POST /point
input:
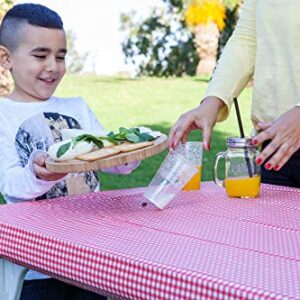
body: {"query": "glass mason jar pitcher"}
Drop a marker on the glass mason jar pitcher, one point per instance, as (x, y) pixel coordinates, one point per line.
(242, 174)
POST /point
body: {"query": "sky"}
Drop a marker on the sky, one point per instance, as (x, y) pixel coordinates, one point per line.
(96, 26)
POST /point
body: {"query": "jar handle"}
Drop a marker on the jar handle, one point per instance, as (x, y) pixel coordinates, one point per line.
(216, 178)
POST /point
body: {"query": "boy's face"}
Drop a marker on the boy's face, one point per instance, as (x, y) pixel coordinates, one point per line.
(38, 63)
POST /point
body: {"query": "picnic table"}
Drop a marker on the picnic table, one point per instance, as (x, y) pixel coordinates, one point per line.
(204, 245)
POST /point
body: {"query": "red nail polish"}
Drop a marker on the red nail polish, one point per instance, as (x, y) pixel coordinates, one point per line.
(276, 168)
(258, 161)
(268, 166)
(208, 146)
(254, 142)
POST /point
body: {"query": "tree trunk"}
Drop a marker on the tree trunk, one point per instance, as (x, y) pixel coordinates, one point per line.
(206, 40)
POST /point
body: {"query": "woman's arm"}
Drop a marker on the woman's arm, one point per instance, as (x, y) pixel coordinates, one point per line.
(236, 65)
(234, 69)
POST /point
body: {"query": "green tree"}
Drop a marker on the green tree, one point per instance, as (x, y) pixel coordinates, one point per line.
(162, 45)
(75, 60)
(206, 18)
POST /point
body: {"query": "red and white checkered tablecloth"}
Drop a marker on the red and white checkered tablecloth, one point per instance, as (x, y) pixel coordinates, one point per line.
(202, 246)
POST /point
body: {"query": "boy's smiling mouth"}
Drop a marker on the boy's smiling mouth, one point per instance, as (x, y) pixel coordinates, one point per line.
(48, 80)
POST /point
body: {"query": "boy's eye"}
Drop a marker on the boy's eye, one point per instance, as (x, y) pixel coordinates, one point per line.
(40, 56)
(60, 57)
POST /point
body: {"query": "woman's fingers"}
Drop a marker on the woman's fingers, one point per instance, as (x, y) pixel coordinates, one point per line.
(284, 134)
(181, 129)
(206, 137)
(281, 156)
(176, 132)
(202, 117)
(265, 135)
(175, 136)
(264, 125)
(267, 152)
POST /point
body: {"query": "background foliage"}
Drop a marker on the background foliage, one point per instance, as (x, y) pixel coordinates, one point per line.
(5, 5)
(75, 60)
(162, 45)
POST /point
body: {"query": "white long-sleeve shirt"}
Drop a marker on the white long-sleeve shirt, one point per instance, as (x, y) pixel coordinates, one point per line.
(26, 128)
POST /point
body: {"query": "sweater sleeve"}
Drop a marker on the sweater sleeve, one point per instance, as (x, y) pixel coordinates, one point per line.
(18, 183)
(236, 65)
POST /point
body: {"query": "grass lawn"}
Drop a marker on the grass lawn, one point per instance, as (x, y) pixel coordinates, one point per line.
(152, 102)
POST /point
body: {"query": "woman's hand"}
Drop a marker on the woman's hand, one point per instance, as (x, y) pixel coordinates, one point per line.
(203, 117)
(40, 170)
(284, 134)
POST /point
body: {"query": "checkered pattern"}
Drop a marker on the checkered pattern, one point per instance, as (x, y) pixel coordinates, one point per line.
(204, 245)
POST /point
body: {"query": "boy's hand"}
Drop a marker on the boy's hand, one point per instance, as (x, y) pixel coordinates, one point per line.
(40, 170)
(284, 134)
(203, 117)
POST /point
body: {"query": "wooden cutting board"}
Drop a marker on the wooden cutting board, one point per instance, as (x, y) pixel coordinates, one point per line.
(78, 166)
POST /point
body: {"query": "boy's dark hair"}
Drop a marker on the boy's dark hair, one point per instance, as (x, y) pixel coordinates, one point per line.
(27, 13)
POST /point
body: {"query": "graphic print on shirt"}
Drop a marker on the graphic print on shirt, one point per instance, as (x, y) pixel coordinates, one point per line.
(39, 133)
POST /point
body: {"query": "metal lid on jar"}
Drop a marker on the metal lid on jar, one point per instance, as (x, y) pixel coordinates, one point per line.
(237, 142)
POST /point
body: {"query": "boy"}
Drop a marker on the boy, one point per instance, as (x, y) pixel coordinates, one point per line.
(33, 48)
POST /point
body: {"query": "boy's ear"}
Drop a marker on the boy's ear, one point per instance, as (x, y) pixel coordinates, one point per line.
(5, 58)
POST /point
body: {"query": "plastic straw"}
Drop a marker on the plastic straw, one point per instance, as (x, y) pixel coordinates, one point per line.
(238, 114)
(242, 134)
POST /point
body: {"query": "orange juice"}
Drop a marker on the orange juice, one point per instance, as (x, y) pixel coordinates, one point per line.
(195, 181)
(243, 187)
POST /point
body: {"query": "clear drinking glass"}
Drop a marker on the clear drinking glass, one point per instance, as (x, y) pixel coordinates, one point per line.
(174, 172)
(192, 151)
(242, 174)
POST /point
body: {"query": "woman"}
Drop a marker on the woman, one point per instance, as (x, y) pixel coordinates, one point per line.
(265, 46)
